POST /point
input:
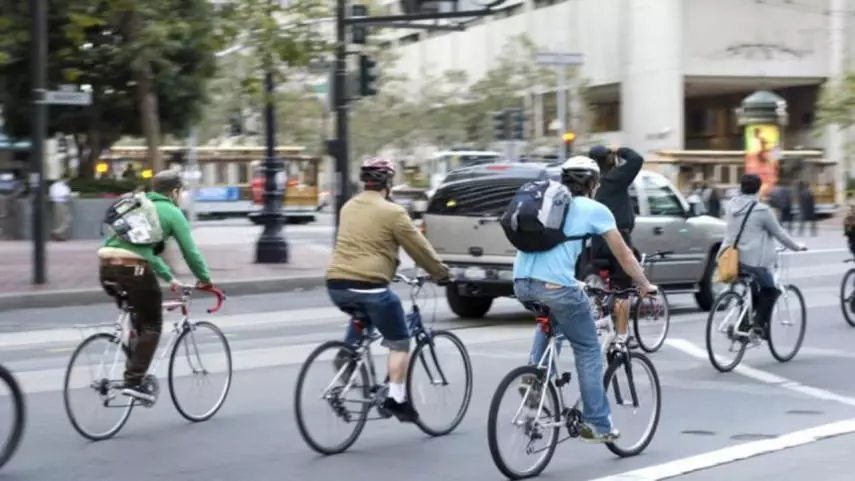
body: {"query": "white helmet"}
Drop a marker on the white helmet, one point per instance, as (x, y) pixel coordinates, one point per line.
(579, 169)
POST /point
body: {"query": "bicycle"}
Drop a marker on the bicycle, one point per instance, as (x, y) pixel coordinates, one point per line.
(19, 419)
(651, 307)
(546, 385)
(739, 295)
(107, 380)
(358, 374)
(847, 301)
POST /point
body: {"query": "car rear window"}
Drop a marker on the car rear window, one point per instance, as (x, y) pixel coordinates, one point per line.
(481, 197)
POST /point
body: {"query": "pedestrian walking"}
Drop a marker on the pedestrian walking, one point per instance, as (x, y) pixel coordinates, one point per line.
(807, 208)
(60, 198)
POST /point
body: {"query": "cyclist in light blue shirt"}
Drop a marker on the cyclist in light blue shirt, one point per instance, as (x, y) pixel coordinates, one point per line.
(549, 278)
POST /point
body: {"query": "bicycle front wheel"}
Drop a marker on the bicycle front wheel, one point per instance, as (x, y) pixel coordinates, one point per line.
(103, 358)
(450, 380)
(847, 297)
(651, 320)
(209, 357)
(633, 384)
(789, 320)
(340, 392)
(19, 416)
(529, 423)
(732, 305)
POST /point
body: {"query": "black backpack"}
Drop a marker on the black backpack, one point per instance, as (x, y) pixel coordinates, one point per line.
(534, 219)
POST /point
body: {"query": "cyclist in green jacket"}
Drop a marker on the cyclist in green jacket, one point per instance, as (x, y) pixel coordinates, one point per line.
(133, 268)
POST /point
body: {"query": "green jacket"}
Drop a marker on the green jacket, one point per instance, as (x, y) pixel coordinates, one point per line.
(174, 224)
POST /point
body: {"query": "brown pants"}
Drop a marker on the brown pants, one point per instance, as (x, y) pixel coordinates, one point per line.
(145, 300)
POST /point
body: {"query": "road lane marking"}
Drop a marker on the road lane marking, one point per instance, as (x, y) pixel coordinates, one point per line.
(739, 452)
(764, 376)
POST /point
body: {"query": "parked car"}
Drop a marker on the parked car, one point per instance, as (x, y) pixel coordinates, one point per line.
(461, 222)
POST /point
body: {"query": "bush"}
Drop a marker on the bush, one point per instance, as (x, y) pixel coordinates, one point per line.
(103, 187)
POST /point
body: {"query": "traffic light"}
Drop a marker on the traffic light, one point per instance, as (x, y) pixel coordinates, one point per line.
(358, 33)
(517, 124)
(500, 125)
(367, 76)
(569, 138)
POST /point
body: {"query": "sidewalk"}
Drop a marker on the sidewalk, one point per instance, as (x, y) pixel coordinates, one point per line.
(72, 271)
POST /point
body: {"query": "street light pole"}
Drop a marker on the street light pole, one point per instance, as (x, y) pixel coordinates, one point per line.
(342, 164)
(38, 135)
(271, 247)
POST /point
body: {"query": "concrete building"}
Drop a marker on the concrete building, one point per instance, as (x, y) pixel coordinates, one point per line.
(666, 74)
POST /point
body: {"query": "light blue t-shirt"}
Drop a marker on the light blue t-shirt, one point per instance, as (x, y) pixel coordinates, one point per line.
(558, 265)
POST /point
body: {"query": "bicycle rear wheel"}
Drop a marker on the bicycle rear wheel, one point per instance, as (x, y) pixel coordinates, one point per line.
(201, 339)
(530, 424)
(629, 380)
(794, 317)
(353, 412)
(440, 380)
(651, 320)
(731, 304)
(847, 297)
(105, 370)
(16, 397)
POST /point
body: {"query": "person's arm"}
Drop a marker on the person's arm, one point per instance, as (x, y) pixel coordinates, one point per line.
(603, 224)
(628, 171)
(161, 269)
(773, 227)
(189, 250)
(416, 246)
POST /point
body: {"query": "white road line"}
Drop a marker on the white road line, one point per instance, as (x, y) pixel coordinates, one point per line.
(731, 454)
(763, 376)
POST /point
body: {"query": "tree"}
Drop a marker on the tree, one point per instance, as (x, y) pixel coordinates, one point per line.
(836, 104)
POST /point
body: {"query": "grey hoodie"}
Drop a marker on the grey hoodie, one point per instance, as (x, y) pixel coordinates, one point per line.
(755, 246)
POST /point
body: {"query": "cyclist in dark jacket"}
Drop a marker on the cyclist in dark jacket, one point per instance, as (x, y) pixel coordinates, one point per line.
(619, 166)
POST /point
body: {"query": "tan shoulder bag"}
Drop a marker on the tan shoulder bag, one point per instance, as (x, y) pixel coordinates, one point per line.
(728, 261)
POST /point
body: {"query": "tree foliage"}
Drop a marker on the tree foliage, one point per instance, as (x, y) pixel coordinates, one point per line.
(836, 104)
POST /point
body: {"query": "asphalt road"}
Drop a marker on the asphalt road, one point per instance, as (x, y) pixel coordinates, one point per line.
(708, 419)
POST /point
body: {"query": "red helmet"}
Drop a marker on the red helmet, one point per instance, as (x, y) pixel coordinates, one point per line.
(377, 170)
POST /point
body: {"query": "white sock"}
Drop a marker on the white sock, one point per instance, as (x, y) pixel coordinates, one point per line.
(397, 392)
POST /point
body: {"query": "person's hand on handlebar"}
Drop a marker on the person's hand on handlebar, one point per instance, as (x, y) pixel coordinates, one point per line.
(802, 247)
(204, 286)
(444, 281)
(175, 285)
(647, 289)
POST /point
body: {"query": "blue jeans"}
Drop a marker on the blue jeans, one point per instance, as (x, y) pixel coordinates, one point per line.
(571, 314)
(383, 310)
(762, 276)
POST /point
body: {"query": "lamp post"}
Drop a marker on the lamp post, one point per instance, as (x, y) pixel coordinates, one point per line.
(271, 247)
(39, 134)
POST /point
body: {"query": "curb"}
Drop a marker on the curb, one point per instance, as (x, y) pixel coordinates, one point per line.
(84, 297)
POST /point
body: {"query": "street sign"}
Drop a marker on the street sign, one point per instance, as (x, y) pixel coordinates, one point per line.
(560, 58)
(62, 97)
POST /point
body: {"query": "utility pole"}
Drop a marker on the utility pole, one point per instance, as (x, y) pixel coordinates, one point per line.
(38, 135)
(339, 147)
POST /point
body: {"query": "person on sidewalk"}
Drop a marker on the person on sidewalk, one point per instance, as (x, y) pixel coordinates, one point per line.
(60, 198)
(371, 231)
(133, 269)
(807, 208)
(756, 247)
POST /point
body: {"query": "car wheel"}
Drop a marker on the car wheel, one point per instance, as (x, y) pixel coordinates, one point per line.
(473, 307)
(706, 295)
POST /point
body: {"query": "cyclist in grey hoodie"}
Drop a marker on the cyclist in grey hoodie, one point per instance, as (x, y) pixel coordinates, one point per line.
(756, 246)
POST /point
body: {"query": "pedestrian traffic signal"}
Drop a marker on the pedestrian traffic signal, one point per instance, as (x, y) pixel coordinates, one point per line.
(500, 125)
(367, 76)
(517, 124)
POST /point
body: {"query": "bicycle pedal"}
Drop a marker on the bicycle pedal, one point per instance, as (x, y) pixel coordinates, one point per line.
(563, 379)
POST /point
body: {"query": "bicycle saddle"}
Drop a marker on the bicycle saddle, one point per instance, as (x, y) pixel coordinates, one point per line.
(601, 263)
(354, 312)
(538, 308)
(114, 289)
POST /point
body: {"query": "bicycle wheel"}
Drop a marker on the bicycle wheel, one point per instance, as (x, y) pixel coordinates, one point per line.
(731, 303)
(532, 425)
(202, 338)
(795, 317)
(651, 320)
(628, 394)
(331, 393)
(19, 413)
(105, 380)
(847, 297)
(439, 380)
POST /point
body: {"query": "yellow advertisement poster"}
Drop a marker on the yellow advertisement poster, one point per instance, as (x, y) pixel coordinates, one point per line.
(763, 153)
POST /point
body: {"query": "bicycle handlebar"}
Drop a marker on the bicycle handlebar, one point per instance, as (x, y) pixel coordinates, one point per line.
(602, 291)
(186, 291)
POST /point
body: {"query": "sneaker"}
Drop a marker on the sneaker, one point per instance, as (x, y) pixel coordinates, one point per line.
(403, 411)
(589, 434)
(533, 399)
(137, 391)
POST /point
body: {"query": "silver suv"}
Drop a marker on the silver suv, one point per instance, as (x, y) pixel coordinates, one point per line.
(461, 222)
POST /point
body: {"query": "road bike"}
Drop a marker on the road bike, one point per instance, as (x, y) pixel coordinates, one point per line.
(114, 351)
(650, 316)
(738, 328)
(542, 411)
(847, 299)
(18, 418)
(354, 389)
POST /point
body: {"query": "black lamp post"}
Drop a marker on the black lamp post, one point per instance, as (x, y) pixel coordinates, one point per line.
(271, 247)
(38, 135)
